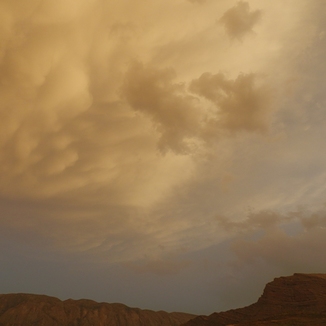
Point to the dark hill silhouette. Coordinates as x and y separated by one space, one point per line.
41 310
288 301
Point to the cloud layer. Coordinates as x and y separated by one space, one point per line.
137 133
239 20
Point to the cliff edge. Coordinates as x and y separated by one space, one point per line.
294 300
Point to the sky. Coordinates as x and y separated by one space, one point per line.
165 154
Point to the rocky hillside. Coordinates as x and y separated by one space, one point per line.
288 301
37 310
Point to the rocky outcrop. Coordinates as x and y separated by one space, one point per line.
295 300
40 310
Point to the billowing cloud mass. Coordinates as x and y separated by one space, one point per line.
175 113
139 146
239 20
241 104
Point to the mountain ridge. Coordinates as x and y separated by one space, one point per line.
36 309
296 300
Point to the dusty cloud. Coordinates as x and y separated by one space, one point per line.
182 118
287 242
263 220
109 116
153 93
242 103
63 129
239 20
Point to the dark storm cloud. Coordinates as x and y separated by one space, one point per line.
242 103
239 20
153 92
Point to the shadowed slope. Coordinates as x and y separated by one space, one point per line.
29 309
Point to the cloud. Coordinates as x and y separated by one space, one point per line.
239 20
288 242
242 104
184 120
67 135
64 129
297 253
152 92
104 142
254 221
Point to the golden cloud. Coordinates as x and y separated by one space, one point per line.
239 20
109 109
